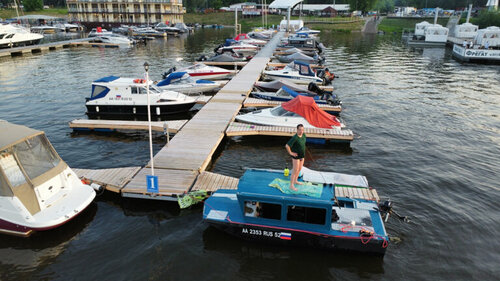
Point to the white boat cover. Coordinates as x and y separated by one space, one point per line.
333 178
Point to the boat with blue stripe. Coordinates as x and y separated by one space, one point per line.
331 211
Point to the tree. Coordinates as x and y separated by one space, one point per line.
361 5
384 6
32 5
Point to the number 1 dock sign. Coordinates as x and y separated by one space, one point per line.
152 183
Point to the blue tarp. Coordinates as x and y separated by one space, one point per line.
170 78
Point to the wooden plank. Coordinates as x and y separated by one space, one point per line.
375 195
173 126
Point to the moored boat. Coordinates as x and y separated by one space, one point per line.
203 71
14 36
296 72
182 82
330 211
113 95
38 191
301 110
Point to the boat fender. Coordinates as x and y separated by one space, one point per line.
366 233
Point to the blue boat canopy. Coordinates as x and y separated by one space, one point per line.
107 79
170 78
303 68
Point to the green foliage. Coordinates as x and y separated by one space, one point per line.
33 5
487 18
397 25
384 6
361 5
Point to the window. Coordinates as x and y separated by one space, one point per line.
98 90
36 156
262 210
2 35
306 214
11 169
278 111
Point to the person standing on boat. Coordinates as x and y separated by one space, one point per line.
296 147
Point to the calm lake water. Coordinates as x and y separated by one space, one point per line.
427 135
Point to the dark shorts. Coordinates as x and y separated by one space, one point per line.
297 157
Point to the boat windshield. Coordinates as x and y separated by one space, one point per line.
35 156
280 111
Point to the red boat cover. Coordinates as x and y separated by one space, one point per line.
241 36
307 108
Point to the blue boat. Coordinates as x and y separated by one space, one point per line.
286 94
331 211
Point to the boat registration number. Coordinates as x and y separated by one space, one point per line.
258 232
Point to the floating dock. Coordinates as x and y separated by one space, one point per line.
181 164
113 125
33 49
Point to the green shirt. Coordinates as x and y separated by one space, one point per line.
298 145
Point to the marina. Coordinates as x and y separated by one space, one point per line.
402 157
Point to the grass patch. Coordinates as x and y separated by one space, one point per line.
54 12
397 25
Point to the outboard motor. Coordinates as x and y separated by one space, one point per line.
164 75
202 58
314 88
385 208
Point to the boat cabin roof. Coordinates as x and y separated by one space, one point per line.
255 183
13 134
115 80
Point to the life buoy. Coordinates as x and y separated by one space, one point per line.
139 81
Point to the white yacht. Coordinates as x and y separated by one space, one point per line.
485 47
38 191
14 35
113 95
114 39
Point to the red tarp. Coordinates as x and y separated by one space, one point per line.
241 36
307 108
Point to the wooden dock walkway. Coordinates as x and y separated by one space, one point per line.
32 49
179 163
244 129
107 125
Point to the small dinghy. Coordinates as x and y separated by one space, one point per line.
300 110
330 211
38 191
296 72
127 96
183 83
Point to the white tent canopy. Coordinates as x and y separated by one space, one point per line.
284 4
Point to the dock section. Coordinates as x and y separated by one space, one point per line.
32 49
189 153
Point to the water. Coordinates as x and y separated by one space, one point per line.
427 135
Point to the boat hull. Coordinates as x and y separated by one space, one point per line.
476 55
20 43
138 110
291 237
18 229
293 79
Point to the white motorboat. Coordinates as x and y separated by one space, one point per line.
203 71
485 47
287 94
308 31
13 36
238 47
243 37
47 29
301 110
98 32
114 39
38 191
296 72
113 95
183 83
162 27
